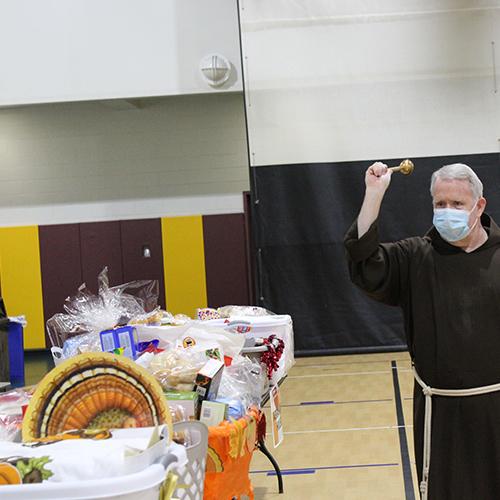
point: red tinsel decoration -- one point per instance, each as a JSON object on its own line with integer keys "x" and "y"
{"x": 273, "y": 354}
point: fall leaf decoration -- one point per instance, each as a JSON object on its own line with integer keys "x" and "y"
{"x": 214, "y": 462}
{"x": 23, "y": 470}
{"x": 97, "y": 391}
{"x": 33, "y": 470}
{"x": 237, "y": 438}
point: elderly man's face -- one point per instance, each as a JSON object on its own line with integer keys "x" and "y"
{"x": 453, "y": 193}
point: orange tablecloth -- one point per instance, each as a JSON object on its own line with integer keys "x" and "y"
{"x": 230, "y": 449}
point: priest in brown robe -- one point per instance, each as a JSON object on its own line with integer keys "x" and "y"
{"x": 448, "y": 286}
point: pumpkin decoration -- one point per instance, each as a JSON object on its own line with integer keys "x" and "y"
{"x": 95, "y": 391}
{"x": 9, "y": 474}
{"x": 214, "y": 463}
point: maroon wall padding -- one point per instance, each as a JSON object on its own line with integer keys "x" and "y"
{"x": 61, "y": 268}
{"x": 225, "y": 260}
{"x": 101, "y": 246}
{"x": 135, "y": 236}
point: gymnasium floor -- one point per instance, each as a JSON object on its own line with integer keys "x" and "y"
{"x": 343, "y": 437}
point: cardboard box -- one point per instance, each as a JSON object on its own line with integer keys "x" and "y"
{"x": 212, "y": 413}
{"x": 124, "y": 338}
{"x": 208, "y": 379}
{"x": 187, "y": 400}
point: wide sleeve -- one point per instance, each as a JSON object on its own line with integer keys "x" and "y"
{"x": 379, "y": 269}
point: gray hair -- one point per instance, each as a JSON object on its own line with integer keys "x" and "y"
{"x": 461, "y": 172}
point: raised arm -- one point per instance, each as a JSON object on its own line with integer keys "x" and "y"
{"x": 379, "y": 269}
{"x": 377, "y": 180}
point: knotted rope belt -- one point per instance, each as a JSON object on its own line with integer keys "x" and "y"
{"x": 428, "y": 393}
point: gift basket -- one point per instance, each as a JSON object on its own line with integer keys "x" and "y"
{"x": 124, "y": 364}
{"x": 126, "y": 465}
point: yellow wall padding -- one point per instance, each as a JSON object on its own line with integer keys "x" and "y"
{"x": 21, "y": 281}
{"x": 184, "y": 264}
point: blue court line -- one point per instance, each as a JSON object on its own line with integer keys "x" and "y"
{"x": 307, "y": 403}
{"x": 364, "y": 401}
{"x": 312, "y": 470}
{"x": 313, "y": 403}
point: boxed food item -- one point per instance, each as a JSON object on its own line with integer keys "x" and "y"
{"x": 212, "y": 413}
{"x": 187, "y": 400}
{"x": 208, "y": 379}
{"x": 123, "y": 338}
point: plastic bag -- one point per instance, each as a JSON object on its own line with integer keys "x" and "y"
{"x": 145, "y": 293}
{"x": 86, "y": 456}
{"x": 11, "y": 412}
{"x": 176, "y": 369}
{"x": 244, "y": 380}
{"x": 202, "y": 338}
{"x": 87, "y": 342}
{"x": 198, "y": 338}
{"x": 230, "y": 311}
{"x": 154, "y": 318}
{"x": 178, "y": 413}
{"x": 87, "y": 313}
{"x": 207, "y": 313}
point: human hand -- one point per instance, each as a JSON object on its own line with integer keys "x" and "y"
{"x": 378, "y": 178}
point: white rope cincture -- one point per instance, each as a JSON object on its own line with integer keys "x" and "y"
{"x": 428, "y": 393}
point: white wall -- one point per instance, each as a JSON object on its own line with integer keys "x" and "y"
{"x": 349, "y": 80}
{"x": 88, "y": 161}
{"x": 69, "y": 50}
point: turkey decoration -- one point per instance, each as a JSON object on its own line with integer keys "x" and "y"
{"x": 95, "y": 391}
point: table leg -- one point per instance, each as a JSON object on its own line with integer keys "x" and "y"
{"x": 262, "y": 447}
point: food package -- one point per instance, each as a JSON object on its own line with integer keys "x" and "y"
{"x": 208, "y": 379}
{"x": 12, "y": 405}
{"x": 230, "y": 311}
{"x": 206, "y": 313}
{"x": 202, "y": 338}
{"x": 198, "y": 338}
{"x": 176, "y": 369}
{"x": 154, "y": 318}
{"x": 183, "y": 405}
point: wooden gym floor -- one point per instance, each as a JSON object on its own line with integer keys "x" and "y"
{"x": 344, "y": 436}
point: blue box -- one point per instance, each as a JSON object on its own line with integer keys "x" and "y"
{"x": 124, "y": 337}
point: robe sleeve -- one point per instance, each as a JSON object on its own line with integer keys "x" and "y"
{"x": 379, "y": 269}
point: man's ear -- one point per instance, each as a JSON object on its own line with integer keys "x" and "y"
{"x": 481, "y": 205}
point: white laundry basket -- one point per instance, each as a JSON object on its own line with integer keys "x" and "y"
{"x": 192, "y": 477}
{"x": 144, "y": 485}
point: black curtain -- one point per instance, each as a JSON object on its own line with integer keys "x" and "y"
{"x": 300, "y": 215}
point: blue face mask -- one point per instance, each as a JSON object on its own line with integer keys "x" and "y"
{"x": 452, "y": 224}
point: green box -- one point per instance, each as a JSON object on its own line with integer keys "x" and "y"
{"x": 187, "y": 400}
